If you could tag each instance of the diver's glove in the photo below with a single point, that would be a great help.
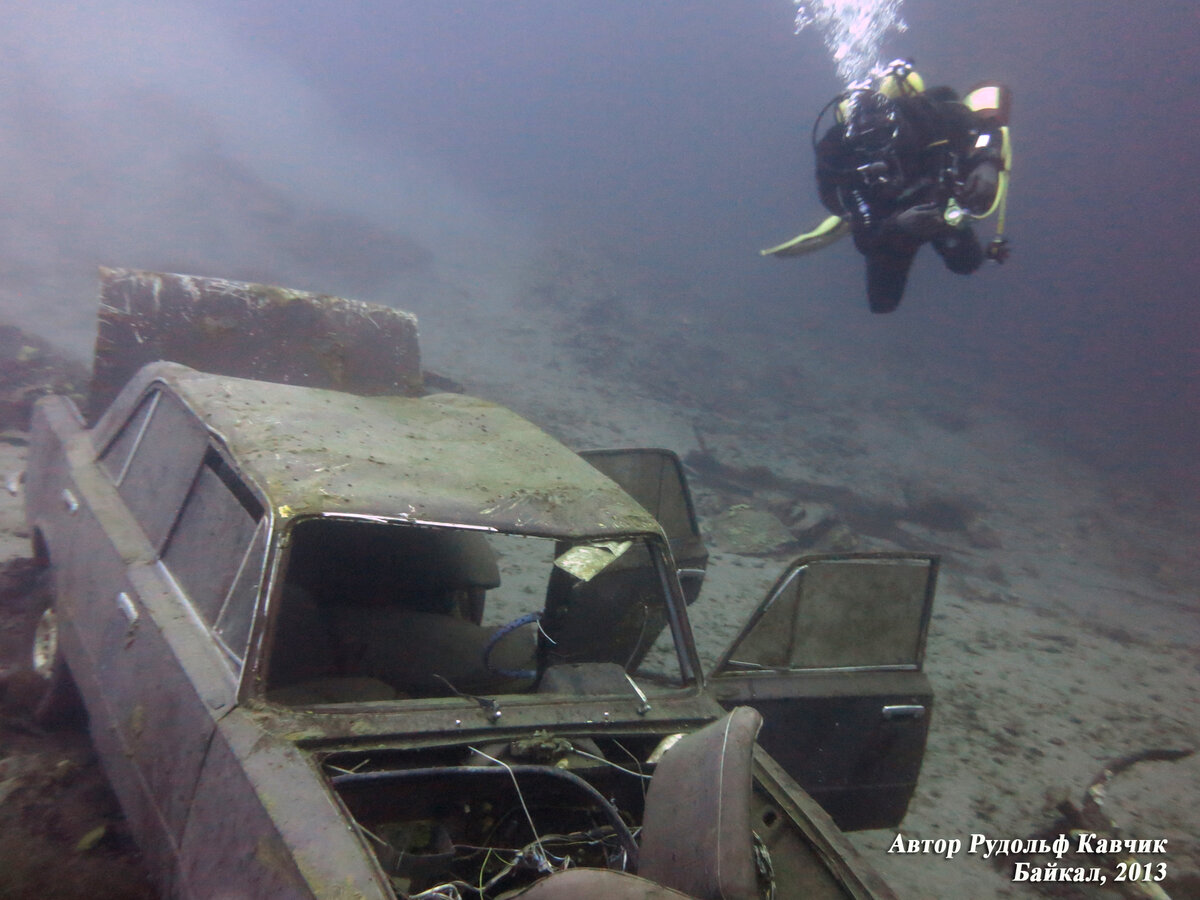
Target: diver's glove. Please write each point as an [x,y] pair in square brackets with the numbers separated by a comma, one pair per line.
[979,188]
[922,222]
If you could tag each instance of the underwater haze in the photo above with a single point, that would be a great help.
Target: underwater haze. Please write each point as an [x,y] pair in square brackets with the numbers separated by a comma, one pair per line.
[406,151]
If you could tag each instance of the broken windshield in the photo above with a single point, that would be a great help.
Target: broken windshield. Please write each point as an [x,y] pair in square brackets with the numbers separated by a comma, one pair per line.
[374,611]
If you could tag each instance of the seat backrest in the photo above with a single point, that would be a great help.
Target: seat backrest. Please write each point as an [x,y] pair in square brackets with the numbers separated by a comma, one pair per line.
[615,616]
[696,835]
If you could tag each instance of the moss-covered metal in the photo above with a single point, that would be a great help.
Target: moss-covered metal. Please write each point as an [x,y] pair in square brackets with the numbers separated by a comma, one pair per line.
[445,458]
[250,331]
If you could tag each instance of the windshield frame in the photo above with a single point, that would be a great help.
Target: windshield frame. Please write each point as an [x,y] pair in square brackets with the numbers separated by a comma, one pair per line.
[688,681]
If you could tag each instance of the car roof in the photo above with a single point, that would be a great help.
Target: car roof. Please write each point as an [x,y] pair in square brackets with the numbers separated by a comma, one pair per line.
[442,458]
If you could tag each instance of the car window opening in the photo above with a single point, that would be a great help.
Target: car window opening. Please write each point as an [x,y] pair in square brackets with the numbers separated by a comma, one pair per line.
[210,551]
[372,611]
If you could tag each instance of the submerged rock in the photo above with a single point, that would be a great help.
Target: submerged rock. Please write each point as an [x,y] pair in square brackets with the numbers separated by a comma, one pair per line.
[811,520]
[744,529]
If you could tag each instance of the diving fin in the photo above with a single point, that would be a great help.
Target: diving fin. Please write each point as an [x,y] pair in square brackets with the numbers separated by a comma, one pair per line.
[821,236]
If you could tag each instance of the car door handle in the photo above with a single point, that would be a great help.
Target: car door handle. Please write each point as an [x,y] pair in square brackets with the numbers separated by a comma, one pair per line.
[69,501]
[904,711]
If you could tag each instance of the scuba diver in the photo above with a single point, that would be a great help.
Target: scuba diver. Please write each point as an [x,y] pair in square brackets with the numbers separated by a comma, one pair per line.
[902,165]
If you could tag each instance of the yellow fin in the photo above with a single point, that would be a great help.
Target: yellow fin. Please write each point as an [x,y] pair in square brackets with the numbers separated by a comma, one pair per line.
[822,236]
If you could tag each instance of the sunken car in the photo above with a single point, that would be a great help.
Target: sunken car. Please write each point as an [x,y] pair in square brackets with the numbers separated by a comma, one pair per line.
[345,646]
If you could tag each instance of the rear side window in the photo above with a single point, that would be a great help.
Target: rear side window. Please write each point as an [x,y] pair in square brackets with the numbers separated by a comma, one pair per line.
[232,625]
[153,461]
[116,456]
[214,552]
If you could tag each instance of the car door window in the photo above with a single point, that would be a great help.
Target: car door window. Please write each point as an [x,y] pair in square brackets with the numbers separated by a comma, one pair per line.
[210,544]
[115,458]
[840,614]
[167,450]
[233,621]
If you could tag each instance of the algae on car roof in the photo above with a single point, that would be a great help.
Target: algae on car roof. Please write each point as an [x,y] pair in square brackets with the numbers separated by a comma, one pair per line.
[441,458]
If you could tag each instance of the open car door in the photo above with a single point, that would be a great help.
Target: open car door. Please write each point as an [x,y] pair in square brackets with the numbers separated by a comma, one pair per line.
[833,660]
[655,479]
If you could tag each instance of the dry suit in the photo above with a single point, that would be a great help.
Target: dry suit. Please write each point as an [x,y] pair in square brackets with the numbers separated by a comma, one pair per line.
[906,170]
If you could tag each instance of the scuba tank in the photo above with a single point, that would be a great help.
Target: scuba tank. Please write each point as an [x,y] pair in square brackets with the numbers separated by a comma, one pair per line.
[992,103]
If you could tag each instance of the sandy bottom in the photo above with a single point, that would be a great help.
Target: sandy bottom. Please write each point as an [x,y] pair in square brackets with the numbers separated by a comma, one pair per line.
[1066,627]
[1065,630]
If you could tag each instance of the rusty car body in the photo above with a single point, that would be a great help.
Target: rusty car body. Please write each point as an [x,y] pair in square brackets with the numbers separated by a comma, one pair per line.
[344,646]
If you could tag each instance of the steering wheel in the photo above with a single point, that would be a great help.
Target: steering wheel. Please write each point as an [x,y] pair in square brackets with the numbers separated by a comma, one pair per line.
[498,635]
